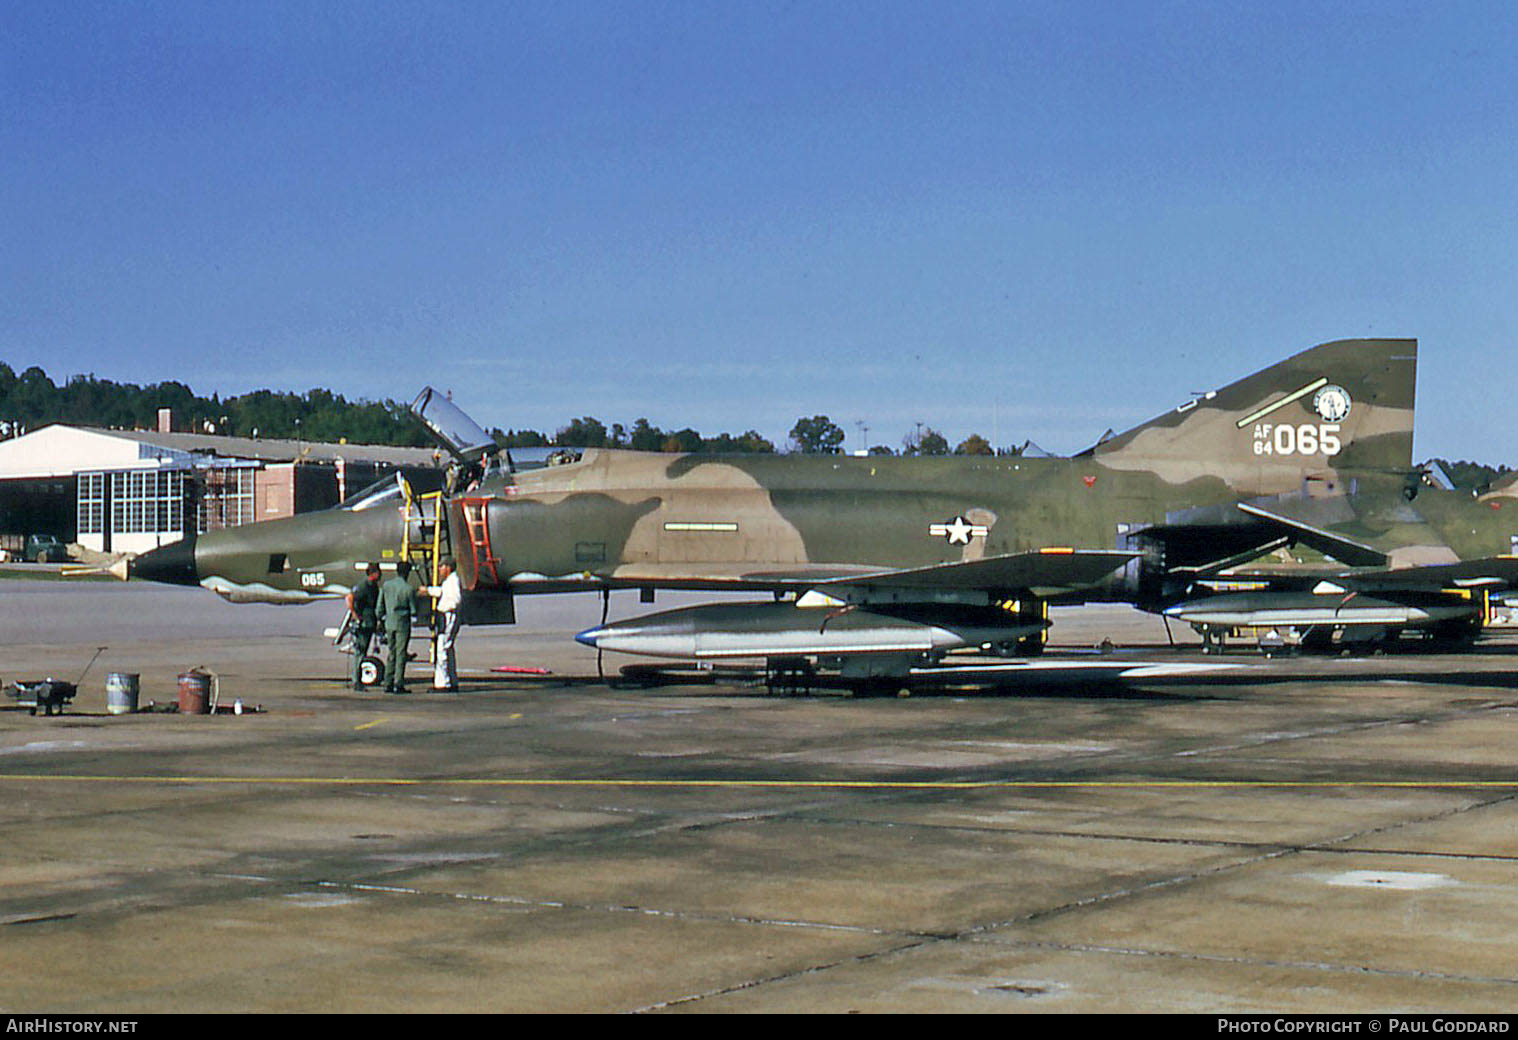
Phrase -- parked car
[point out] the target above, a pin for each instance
(45, 548)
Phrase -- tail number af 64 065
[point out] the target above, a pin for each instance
(1303, 439)
(313, 579)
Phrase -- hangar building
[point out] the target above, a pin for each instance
(128, 491)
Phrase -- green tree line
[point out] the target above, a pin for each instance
(32, 400)
(590, 432)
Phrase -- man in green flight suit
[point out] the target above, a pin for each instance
(397, 603)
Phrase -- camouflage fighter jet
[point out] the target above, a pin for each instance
(877, 562)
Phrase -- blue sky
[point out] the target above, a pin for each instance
(1020, 219)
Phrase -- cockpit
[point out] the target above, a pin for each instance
(385, 491)
(476, 454)
(390, 490)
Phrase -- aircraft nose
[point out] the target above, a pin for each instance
(173, 563)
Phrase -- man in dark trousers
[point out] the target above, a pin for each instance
(363, 603)
(397, 602)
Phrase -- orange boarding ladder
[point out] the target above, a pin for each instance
(478, 532)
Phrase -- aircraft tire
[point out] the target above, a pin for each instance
(372, 671)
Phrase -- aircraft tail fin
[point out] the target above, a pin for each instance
(1345, 405)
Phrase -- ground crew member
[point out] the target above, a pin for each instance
(397, 603)
(363, 601)
(445, 601)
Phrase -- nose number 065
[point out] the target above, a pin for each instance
(1304, 439)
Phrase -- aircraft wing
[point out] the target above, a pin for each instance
(1489, 572)
(882, 619)
(1369, 568)
(1044, 572)
(1345, 550)
(1486, 572)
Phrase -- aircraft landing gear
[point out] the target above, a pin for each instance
(1214, 641)
(371, 670)
(1455, 634)
(789, 676)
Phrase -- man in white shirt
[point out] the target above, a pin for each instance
(445, 601)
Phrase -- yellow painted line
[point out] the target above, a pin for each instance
(885, 785)
(366, 725)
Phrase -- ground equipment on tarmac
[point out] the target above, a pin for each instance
(50, 694)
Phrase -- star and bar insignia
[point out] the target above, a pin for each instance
(958, 531)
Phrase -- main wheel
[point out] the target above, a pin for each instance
(371, 670)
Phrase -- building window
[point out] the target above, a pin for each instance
(227, 499)
(145, 501)
(92, 503)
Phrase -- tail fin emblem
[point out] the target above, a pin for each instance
(1332, 403)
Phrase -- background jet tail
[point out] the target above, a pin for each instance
(1345, 405)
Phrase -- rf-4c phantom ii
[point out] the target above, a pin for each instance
(876, 564)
